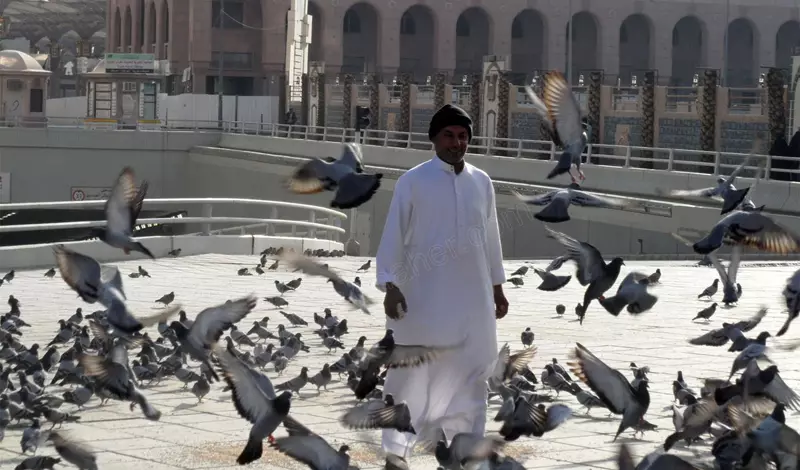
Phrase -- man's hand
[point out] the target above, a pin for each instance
(500, 302)
(394, 303)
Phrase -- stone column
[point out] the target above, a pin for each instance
(708, 116)
(374, 103)
(777, 109)
(321, 99)
(439, 90)
(305, 101)
(648, 117)
(405, 103)
(594, 116)
(475, 102)
(503, 92)
(347, 102)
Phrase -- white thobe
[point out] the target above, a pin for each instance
(441, 248)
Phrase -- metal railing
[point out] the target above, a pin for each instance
(624, 156)
(328, 227)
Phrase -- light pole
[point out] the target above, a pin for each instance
(352, 247)
(725, 43)
(569, 45)
(220, 91)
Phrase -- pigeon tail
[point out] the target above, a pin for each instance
(613, 305)
(143, 249)
(733, 198)
(553, 213)
(643, 304)
(356, 189)
(564, 165)
(149, 411)
(252, 451)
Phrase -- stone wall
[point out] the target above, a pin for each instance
(618, 130)
(525, 126)
(334, 116)
(739, 136)
(386, 120)
(679, 133)
(421, 119)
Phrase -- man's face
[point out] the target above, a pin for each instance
(451, 144)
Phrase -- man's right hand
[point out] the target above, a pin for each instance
(394, 303)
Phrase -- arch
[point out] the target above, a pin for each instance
(473, 33)
(317, 50)
(742, 54)
(127, 30)
(786, 41)
(635, 46)
(417, 35)
(585, 43)
(151, 25)
(361, 38)
(528, 48)
(140, 24)
(688, 50)
(117, 30)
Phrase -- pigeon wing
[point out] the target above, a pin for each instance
(249, 398)
(610, 386)
(211, 322)
(352, 157)
(310, 177)
(759, 231)
(716, 337)
(704, 192)
(537, 200)
(117, 207)
(411, 356)
(624, 459)
(747, 325)
(311, 450)
(137, 202)
(538, 106)
(736, 172)
(520, 360)
(564, 111)
(310, 267)
(295, 428)
(113, 278)
(588, 258)
(778, 391)
(557, 263)
(585, 199)
(80, 272)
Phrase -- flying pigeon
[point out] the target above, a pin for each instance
(753, 229)
(561, 112)
(345, 176)
(632, 293)
(557, 202)
(791, 294)
(551, 282)
(122, 209)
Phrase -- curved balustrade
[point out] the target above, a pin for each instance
(330, 226)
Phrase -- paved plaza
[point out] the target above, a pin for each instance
(210, 435)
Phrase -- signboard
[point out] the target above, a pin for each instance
(130, 63)
(89, 193)
(5, 187)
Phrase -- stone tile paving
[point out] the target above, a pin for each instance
(210, 435)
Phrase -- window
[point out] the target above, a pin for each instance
(623, 34)
(517, 31)
(352, 23)
(462, 27)
(675, 36)
(232, 17)
(232, 60)
(407, 25)
(37, 100)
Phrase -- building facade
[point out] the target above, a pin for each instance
(623, 38)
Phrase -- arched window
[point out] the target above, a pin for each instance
(675, 36)
(407, 25)
(462, 27)
(623, 34)
(517, 31)
(352, 23)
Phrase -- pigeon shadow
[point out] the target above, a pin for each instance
(185, 406)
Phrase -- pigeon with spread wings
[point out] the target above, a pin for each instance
(346, 289)
(557, 202)
(752, 229)
(345, 176)
(561, 112)
(122, 209)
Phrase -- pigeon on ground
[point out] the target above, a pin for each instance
(345, 176)
(254, 398)
(122, 209)
(50, 272)
(560, 309)
(294, 319)
(724, 190)
(611, 387)
(365, 266)
(557, 202)
(166, 299)
(465, 449)
(632, 293)
(277, 301)
(523, 270)
(304, 446)
(550, 281)
(710, 290)
(751, 229)
(527, 337)
(591, 269)
(655, 278)
(560, 111)
(706, 313)
(73, 452)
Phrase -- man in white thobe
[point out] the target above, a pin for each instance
(441, 265)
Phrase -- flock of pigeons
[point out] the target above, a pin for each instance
(89, 356)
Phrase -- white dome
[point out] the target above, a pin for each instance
(19, 61)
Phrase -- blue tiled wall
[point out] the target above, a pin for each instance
(679, 133)
(610, 124)
(525, 126)
(385, 117)
(334, 116)
(421, 119)
(739, 136)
